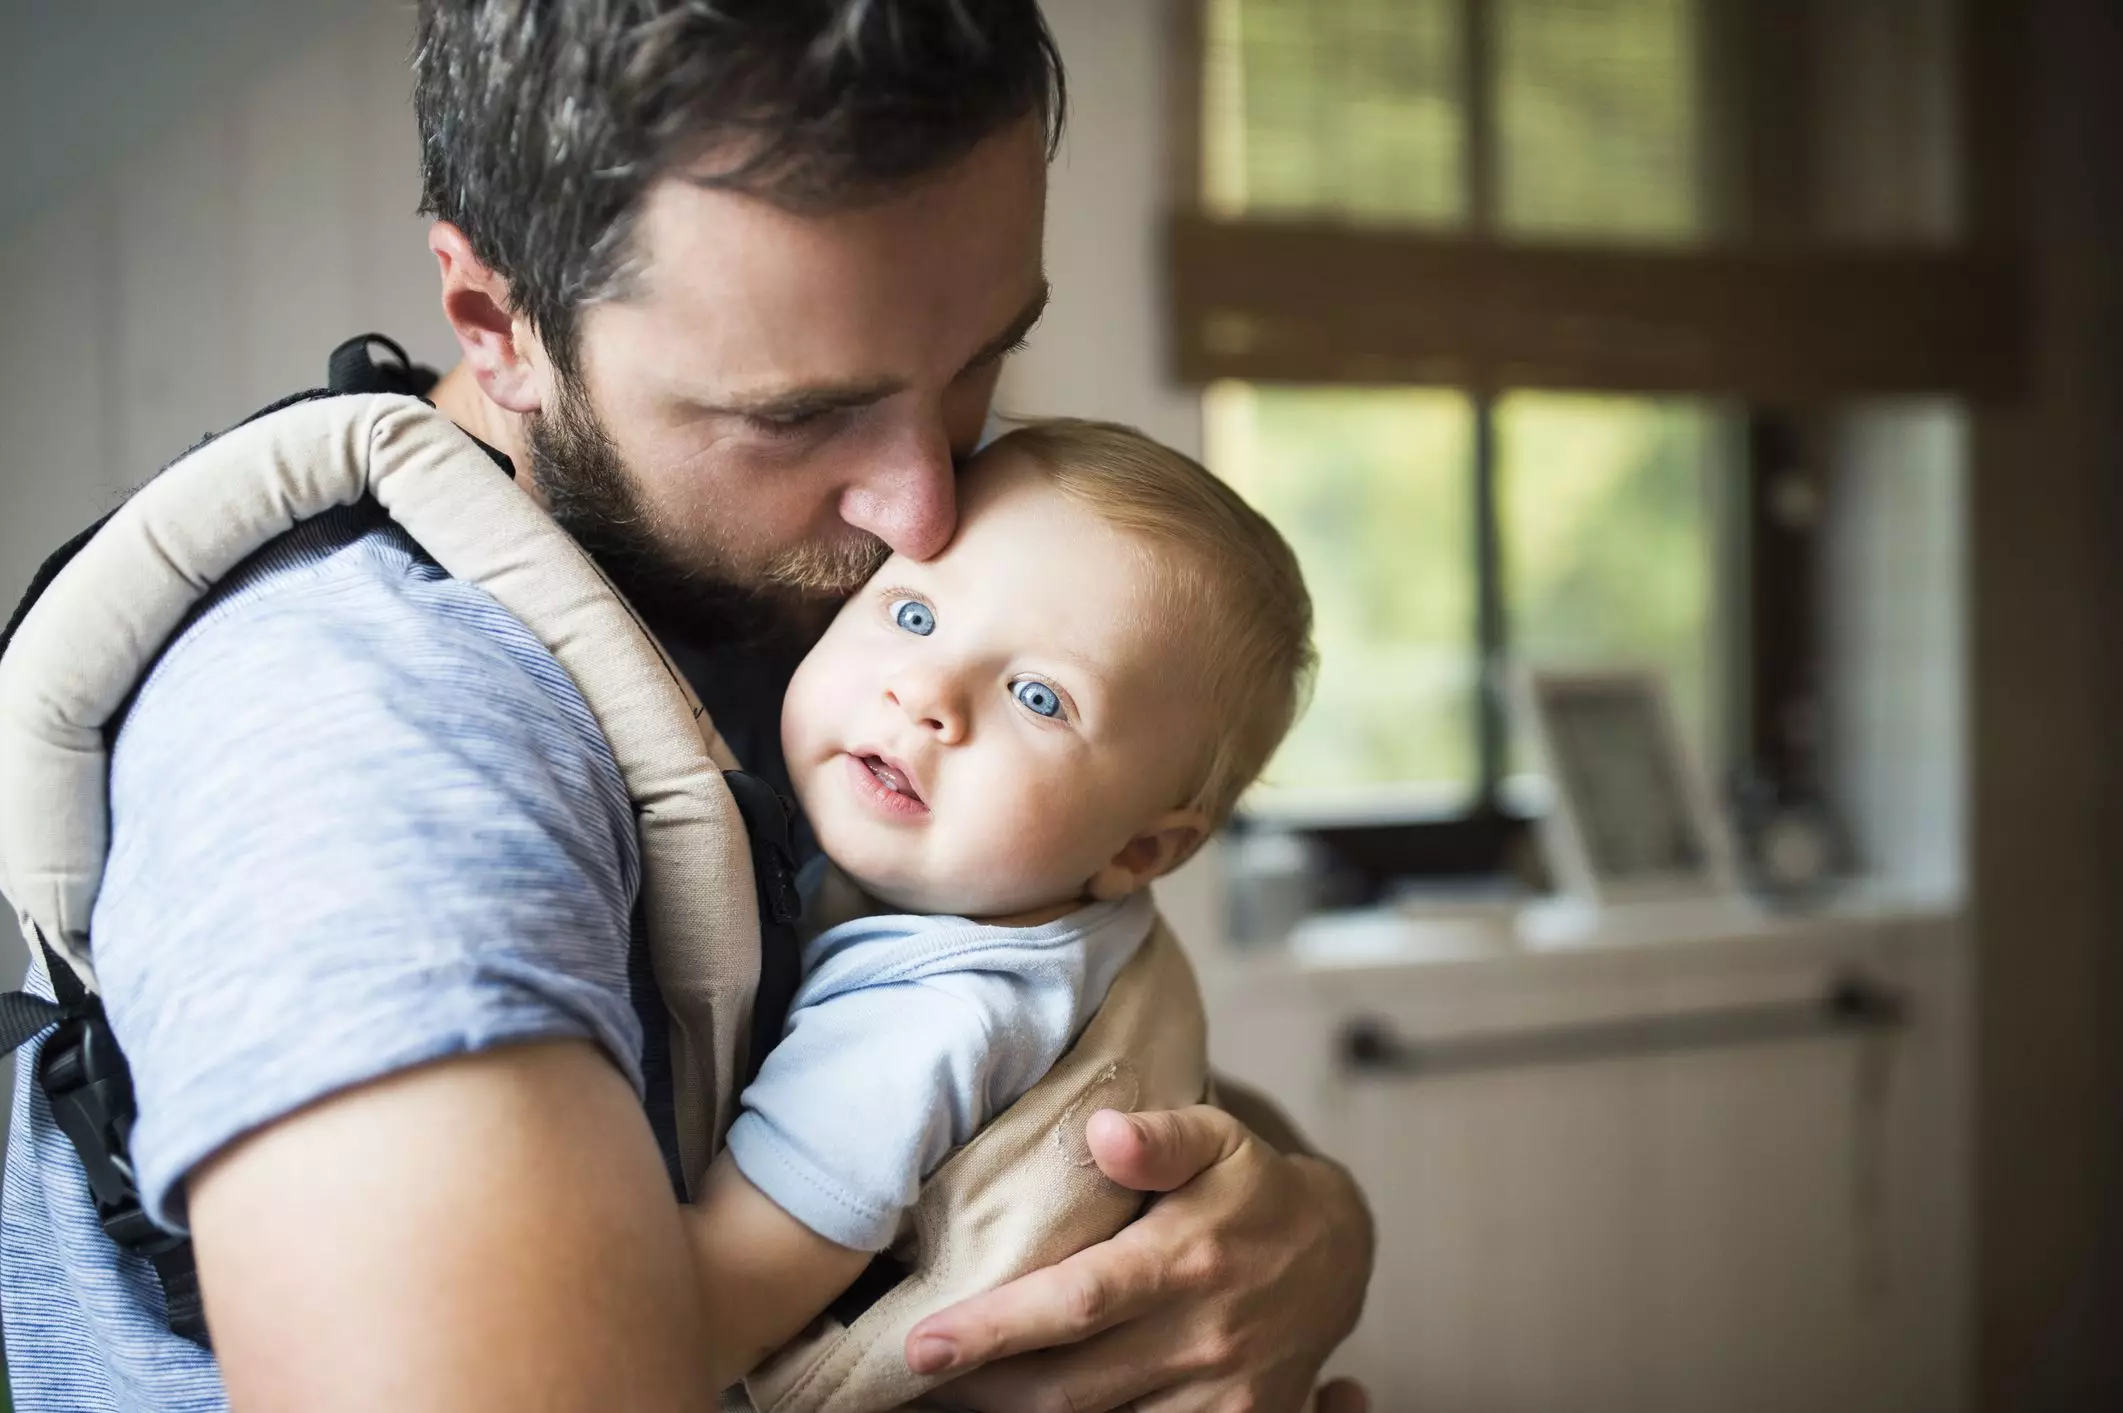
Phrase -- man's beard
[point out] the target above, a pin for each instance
(577, 468)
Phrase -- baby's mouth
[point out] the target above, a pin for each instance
(892, 778)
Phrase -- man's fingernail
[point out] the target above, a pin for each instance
(932, 1354)
(1134, 1125)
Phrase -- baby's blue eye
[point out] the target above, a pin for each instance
(1038, 697)
(914, 616)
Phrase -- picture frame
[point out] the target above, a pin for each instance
(1631, 819)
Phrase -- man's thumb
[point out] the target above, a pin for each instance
(1161, 1150)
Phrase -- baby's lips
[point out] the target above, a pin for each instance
(893, 774)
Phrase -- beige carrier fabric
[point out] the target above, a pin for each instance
(99, 627)
(1022, 1195)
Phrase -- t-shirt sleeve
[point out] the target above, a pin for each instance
(350, 834)
(871, 1088)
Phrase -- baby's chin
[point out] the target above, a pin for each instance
(985, 899)
(889, 867)
(939, 898)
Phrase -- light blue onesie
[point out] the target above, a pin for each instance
(908, 1034)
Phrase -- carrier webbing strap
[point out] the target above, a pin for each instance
(354, 369)
(766, 816)
(84, 1078)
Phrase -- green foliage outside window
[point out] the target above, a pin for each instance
(1610, 509)
(1597, 122)
(1608, 525)
(1371, 488)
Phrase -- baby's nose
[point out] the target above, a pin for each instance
(933, 703)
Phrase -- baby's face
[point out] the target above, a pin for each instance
(1009, 727)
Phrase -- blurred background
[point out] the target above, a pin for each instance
(1772, 349)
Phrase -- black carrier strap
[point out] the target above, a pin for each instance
(84, 1074)
(84, 1078)
(354, 369)
(767, 815)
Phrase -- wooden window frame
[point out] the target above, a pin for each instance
(1785, 328)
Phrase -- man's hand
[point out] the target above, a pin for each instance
(1229, 1293)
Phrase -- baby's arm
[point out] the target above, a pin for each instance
(899, 1049)
(763, 1274)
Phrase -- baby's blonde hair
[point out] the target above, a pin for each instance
(1231, 569)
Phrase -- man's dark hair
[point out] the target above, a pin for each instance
(543, 122)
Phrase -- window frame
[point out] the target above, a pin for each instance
(1774, 325)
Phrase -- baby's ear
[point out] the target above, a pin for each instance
(1166, 844)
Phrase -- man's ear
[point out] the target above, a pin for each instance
(1170, 841)
(497, 345)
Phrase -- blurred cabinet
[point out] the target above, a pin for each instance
(1770, 1226)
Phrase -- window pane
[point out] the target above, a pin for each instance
(1357, 109)
(1609, 519)
(1374, 491)
(1349, 108)
(1597, 117)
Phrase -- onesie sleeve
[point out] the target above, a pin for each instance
(873, 1086)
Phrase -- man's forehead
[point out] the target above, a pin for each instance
(744, 291)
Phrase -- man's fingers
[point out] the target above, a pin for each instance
(1116, 1370)
(1163, 1150)
(1342, 1396)
(1060, 1304)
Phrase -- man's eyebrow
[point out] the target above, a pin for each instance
(1003, 342)
(796, 404)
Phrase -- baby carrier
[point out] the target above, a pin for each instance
(717, 894)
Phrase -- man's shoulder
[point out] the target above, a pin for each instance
(348, 603)
(345, 571)
(341, 650)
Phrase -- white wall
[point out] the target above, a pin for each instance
(1101, 351)
(207, 273)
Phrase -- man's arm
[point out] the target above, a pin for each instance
(1230, 1291)
(494, 1231)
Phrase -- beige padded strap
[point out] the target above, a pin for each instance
(103, 621)
(1022, 1195)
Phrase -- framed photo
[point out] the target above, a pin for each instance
(1631, 819)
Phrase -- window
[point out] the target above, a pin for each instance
(1535, 117)
(1372, 489)
(1539, 327)
(1612, 523)
(1444, 529)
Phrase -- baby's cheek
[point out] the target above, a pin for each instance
(1037, 833)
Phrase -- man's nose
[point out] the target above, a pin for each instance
(908, 496)
(934, 702)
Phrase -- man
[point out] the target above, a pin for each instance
(733, 285)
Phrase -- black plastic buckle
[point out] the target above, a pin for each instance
(91, 1092)
(90, 1088)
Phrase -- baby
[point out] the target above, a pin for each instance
(1001, 747)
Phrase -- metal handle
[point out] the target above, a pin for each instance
(1854, 1003)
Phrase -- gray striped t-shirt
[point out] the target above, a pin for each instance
(361, 820)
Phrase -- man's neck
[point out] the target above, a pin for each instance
(460, 399)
